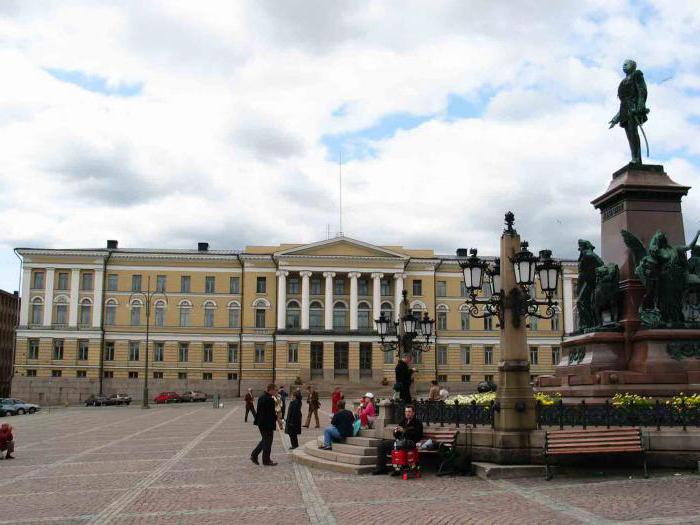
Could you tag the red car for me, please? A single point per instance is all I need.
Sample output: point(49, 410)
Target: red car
point(168, 397)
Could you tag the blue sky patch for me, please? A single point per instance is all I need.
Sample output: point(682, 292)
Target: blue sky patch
point(95, 83)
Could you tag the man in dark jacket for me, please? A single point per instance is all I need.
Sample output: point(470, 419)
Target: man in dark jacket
point(266, 421)
point(340, 428)
point(249, 406)
point(293, 426)
point(283, 396)
point(404, 374)
point(409, 428)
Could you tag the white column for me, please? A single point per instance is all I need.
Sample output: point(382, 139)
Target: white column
point(305, 299)
point(398, 294)
point(353, 299)
point(568, 306)
point(97, 298)
point(282, 299)
point(74, 293)
point(376, 296)
point(328, 307)
point(26, 292)
point(48, 296)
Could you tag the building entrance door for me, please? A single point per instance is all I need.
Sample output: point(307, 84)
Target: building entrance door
point(340, 359)
point(365, 359)
point(316, 359)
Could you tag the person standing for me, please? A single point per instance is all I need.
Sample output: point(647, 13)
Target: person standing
point(249, 406)
point(283, 395)
point(434, 394)
point(7, 441)
point(278, 410)
point(336, 396)
point(404, 376)
point(314, 405)
point(265, 420)
point(293, 427)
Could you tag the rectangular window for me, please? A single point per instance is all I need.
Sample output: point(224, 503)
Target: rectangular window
point(462, 289)
point(58, 349)
point(61, 314)
point(315, 286)
point(464, 319)
point(385, 286)
point(160, 315)
point(441, 288)
point(339, 286)
point(208, 353)
point(38, 280)
point(136, 283)
point(466, 354)
point(183, 352)
point(442, 378)
point(442, 355)
point(488, 377)
point(532, 322)
point(209, 317)
point(182, 375)
point(133, 375)
point(33, 349)
point(210, 284)
point(364, 319)
point(362, 287)
point(86, 281)
point(112, 282)
point(161, 282)
point(62, 281)
point(259, 352)
point(157, 375)
point(81, 374)
point(293, 285)
point(419, 358)
point(158, 351)
point(388, 358)
point(31, 373)
point(232, 376)
point(37, 313)
point(292, 352)
point(185, 316)
point(233, 352)
point(488, 355)
point(135, 315)
point(466, 378)
point(56, 373)
point(134, 350)
point(109, 351)
point(185, 284)
point(234, 285)
point(556, 355)
point(260, 318)
point(261, 285)
point(83, 349)
point(206, 376)
point(488, 323)
point(442, 321)
point(556, 322)
point(85, 314)
point(534, 355)
point(234, 318)
point(108, 374)
point(417, 287)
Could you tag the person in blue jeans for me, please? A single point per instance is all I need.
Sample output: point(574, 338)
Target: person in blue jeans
point(340, 427)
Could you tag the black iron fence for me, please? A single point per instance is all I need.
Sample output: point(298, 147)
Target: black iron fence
point(579, 415)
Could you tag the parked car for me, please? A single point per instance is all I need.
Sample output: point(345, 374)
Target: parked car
point(193, 395)
point(120, 399)
point(7, 409)
point(486, 386)
point(98, 401)
point(168, 397)
point(20, 406)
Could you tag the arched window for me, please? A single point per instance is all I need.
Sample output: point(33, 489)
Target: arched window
point(293, 315)
point(234, 314)
point(111, 311)
point(316, 315)
point(464, 317)
point(442, 310)
point(37, 311)
point(417, 309)
point(185, 312)
point(136, 306)
point(160, 312)
point(261, 305)
point(61, 313)
point(340, 316)
point(209, 311)
point(364, 316)
point(85, 311)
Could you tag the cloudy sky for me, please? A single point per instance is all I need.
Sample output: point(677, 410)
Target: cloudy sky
point(161, 124)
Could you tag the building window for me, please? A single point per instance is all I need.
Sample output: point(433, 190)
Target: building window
point(388, 358)
point(86, 282)
point(385, 287)
point(62, 281)
point(234, 316)
point(234, 285)
point(134, 349)
point(110, 312)
point(293, 352)
point(388, 313)
point(442, 355)
point(259, 352)
point(85, 312)
point(185, 284)
point(316, 315)
point(206, 376)
point(157, 375)
point(462, 289)
point(158, 351)
point(532, 322)
point(534, 355)
point(112, 282)
point(56, 373)
point(339, 286)
point(61, 313)
point(161, 282)
point(38, 280)
point(37, 311)
point(488, 323)
point(442, 289)
point(109, 351)
point(232, 376)
point(135, 314)
point(556, 355)
point(160, 313)
point(362, 287)
point(464, 319)
point(233, 352)
point(442, 321)
point(364, 316)
point(315, 286)
point(58, 349)
point(136, 283)
point(293, 315)
point(442, 378)
point(261, 285)
point(33, 349)
point(340, 314)
point(108, 374)
point(182, 375)
point(293, 285)
point(208, 353)
point(83, 349)
point(183, 352)
point(488, 377)
point(133, 375)
point(488, 355)
point(210, 284)
point(81, 374)
point(466, 378)
point(209, 310)
point(466, 355)
point(260, 318)
point(417, 287)
point(185, 309)
point(31, 373)
point(556, 322)
point(419, 358)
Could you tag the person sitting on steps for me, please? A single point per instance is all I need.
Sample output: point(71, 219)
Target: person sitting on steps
point(340, 427)
point(410, 427)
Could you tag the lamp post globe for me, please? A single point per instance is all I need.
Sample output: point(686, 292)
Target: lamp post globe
point(472, 268)
point(494, 273)
point(525, 265)
point(549, 271)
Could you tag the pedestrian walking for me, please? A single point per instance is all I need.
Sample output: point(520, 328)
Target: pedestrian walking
point(284, 395)
point(266, 421)
point(7, 441)
point(336, 396)
point(278, 410)
point(249, 404)
point(293, 427)
point(314, 404)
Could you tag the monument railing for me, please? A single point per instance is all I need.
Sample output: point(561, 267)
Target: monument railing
point(447, 413)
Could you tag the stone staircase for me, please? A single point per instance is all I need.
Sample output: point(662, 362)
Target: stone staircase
point(355, 455)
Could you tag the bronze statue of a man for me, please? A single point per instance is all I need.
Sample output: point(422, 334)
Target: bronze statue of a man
point(632, 93)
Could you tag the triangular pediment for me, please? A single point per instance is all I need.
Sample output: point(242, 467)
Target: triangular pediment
point(341, 247)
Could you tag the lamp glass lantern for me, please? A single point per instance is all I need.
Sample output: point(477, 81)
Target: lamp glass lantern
point(473, 270)
point(525, 266)
point(495, 277)
point(382, 325)
point(549, 271)
point(409, 323)
point(427, 325)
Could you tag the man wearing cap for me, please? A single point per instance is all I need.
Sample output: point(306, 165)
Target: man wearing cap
point(366, 412)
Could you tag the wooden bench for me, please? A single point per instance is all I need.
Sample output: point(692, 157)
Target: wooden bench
point(446, 441)
point(595, 441)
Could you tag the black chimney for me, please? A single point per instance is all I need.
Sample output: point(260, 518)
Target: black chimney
point(112, 244)
point(203, 246)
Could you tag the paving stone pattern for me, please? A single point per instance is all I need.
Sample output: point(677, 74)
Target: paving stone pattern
point(189, 464)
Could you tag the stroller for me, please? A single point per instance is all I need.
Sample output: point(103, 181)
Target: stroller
point(405, 457)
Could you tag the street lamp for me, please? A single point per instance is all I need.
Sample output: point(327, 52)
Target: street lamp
point(148, 296)
point(413, 333)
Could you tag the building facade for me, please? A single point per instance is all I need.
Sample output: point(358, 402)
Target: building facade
point(9, 313)
point(223, 321)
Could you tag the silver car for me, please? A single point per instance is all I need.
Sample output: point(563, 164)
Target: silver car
point(19, 406)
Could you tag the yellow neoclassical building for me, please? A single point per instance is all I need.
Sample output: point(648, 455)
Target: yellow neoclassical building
point(223, 321)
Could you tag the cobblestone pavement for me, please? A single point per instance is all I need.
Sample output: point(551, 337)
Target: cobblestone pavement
point(190, 464)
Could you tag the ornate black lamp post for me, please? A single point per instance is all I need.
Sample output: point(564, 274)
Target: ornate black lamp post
point(147, 297)
point(413, 333)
